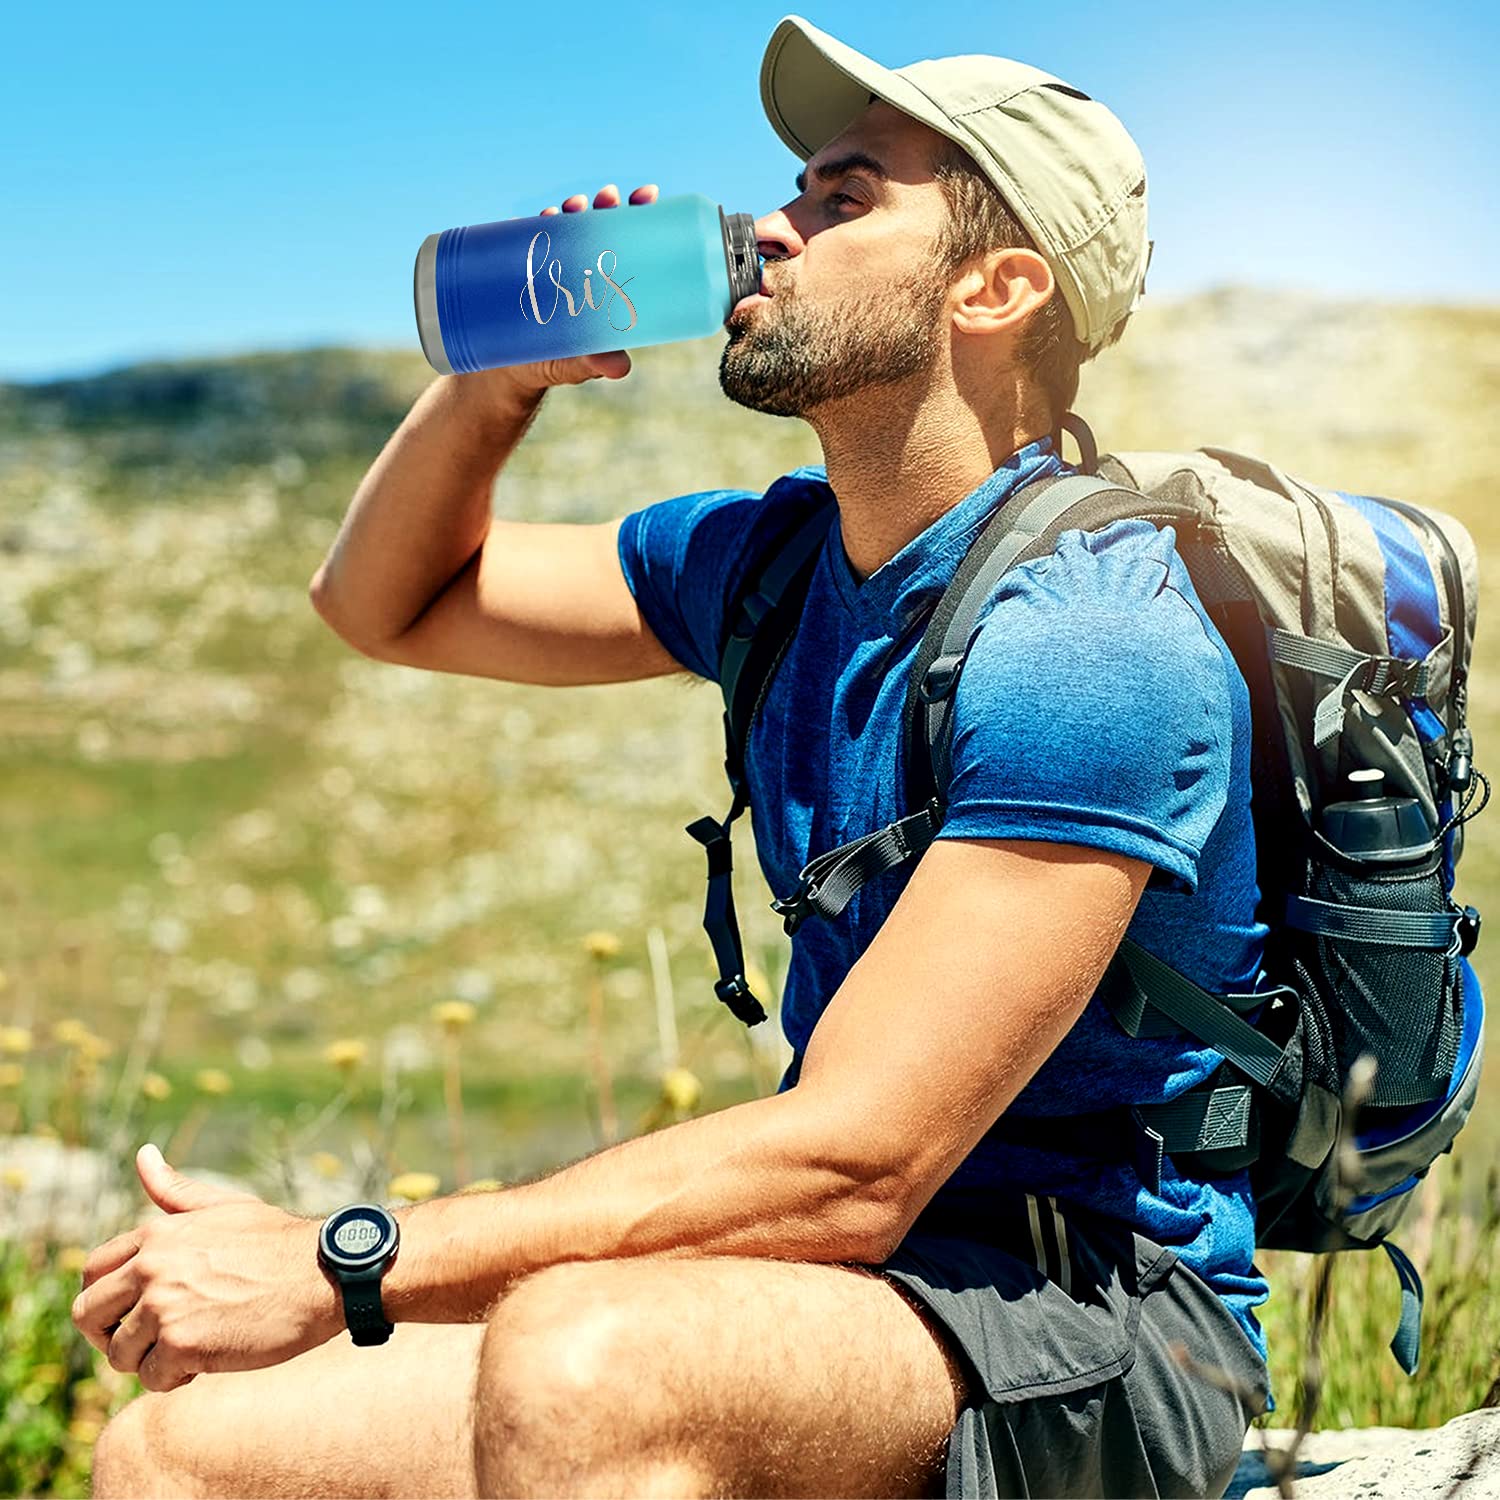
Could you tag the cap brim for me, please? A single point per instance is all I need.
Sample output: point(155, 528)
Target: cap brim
point(812, 86)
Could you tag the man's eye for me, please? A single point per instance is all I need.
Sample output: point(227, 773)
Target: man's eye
point(834, 198)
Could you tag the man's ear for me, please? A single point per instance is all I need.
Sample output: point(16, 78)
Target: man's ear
point(1005, 289)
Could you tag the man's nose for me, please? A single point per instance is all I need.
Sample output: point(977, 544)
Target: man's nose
point(776, 236)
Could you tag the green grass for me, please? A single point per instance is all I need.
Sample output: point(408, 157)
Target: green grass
point(222, 817)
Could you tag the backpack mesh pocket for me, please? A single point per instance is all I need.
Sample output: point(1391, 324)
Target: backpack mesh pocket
point(1401, 1004)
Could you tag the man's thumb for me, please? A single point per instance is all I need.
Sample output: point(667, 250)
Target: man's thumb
point(171, 1190)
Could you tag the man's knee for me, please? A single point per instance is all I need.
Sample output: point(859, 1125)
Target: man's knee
point(564, 1384)
point(140, 1452)
point(121, 1463)
point(553, 1342)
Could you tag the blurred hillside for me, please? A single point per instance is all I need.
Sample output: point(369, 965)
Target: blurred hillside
point(1321, 382)
point(232, 842)
point(163, 676)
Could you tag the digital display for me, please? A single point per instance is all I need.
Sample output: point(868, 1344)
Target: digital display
point(357, 1236)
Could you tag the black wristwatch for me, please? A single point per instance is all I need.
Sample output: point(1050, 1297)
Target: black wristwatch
point(356, 1246)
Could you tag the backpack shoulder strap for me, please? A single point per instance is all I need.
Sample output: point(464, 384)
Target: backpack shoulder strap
point(760, 622)
point(1146, 995)
point(1028, 523)
point(829, 881)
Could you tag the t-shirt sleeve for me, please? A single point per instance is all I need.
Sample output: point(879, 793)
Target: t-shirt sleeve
point(680, 558)
point(1094, 707)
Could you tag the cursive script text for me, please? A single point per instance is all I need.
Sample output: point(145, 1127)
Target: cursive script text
point(554, 273)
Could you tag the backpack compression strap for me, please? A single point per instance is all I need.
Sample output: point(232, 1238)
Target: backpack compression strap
point(1147, 996)
point(828, 882)
point(758, 630)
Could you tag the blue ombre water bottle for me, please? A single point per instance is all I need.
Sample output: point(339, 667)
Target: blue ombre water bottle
point(555, 285)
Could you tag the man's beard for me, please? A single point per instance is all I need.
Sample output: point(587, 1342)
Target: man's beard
point(787, 357)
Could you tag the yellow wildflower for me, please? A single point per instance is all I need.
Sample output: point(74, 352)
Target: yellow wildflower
point(95, 1048)
point(11, 1075)
point(680, 1088)
point(346, 1054)
point(70, 1032)
point(72, 1258)
point(213, 1081)
point(453, 1015)
point(155, 1086)
point(13, 1178)
point(414, 1186)
point(601, 945)
point(14, 1040)
point(325, 1163)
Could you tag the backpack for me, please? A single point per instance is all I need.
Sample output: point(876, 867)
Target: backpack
point(1351, 618)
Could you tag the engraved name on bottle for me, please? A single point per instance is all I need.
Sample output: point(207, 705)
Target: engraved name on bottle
point(575, 306)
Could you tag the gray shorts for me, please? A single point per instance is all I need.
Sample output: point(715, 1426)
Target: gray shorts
point(1064, 1322)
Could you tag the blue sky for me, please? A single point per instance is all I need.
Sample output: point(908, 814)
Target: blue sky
point(194, 179)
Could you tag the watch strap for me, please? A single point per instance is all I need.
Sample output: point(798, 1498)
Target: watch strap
point(363, 1311)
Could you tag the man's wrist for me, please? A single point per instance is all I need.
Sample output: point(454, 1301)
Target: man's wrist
point(402, 1289)
point(326, 1300)
point(328, 1313)
point(492, 404)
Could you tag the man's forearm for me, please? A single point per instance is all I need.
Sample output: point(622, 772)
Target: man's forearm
point(423, 508)
point(769, 1178)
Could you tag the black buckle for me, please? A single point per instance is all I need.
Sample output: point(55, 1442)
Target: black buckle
point(1393, 676)
point(735, 993)
point(939, 679)
point(797, 907)
point(753, 609)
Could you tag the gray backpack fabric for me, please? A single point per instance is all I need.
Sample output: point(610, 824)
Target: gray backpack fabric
point(1352, 620)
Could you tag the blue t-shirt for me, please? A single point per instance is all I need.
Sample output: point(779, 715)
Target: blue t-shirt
point(1099, 705)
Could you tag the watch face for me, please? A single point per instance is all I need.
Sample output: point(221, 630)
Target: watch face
point(357, 1237)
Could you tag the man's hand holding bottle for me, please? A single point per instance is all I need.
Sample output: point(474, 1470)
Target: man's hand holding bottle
point(503, 386)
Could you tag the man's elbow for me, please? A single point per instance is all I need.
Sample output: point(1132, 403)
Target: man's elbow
point(892, 1211)
point(861, 1189)
point(327, 611)
point(872, 1221)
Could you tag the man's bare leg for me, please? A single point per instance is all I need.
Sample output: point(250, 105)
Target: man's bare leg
point(660, 1376)
point(392, 1420)
point(712, 1376)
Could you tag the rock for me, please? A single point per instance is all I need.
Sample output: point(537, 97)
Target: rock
point(1458, 1461)
point(74, 1195)
point(66, 1194)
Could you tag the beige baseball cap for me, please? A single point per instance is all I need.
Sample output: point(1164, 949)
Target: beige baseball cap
point(1062, 161)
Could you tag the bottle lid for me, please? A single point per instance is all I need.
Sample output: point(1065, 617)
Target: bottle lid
point(742, 253)
point(1370, 826)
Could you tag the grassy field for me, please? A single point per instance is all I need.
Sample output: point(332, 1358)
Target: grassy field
point(246, 867)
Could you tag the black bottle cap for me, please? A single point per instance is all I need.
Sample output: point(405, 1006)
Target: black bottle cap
point(1372, 827)
point(742, 254)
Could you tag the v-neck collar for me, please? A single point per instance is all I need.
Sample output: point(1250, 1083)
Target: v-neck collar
point(928, 561)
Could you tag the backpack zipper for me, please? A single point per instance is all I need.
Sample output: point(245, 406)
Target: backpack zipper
point(1458, 690)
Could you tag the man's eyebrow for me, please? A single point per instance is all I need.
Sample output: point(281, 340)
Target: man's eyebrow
point(851, 161)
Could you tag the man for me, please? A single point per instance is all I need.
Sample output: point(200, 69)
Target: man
point(867, 1283)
